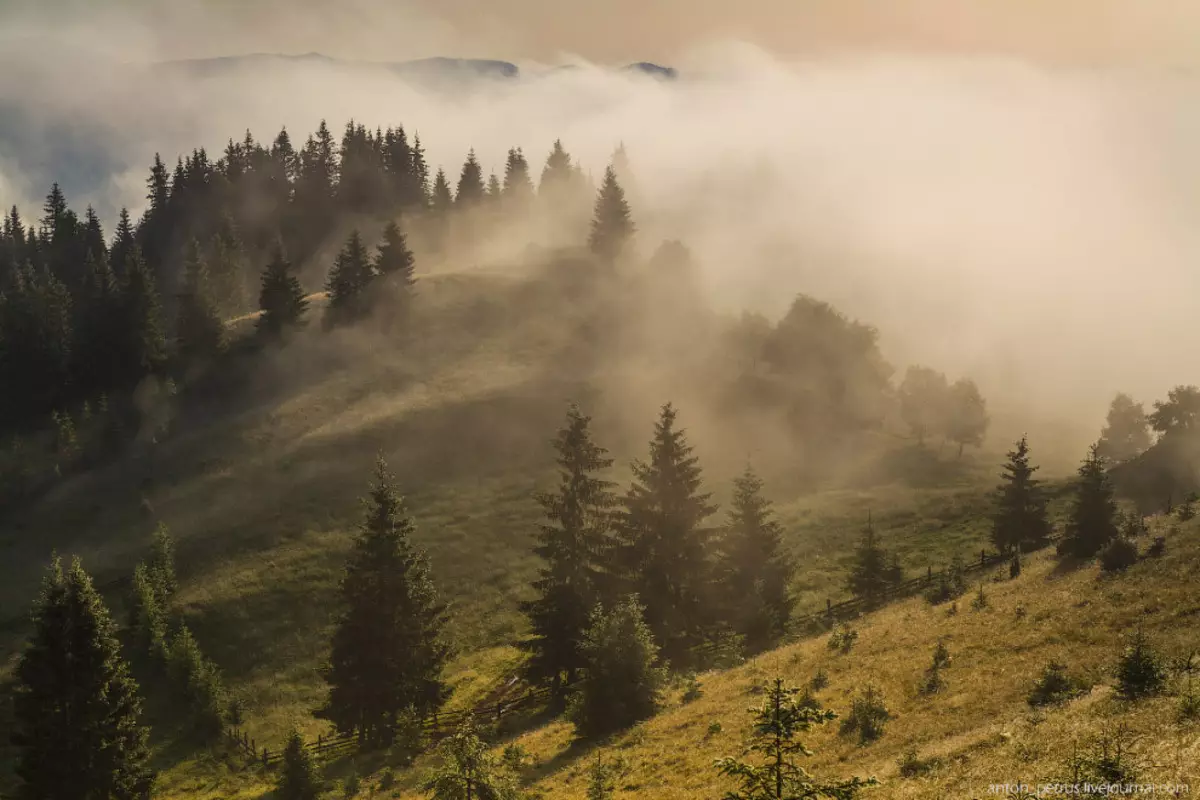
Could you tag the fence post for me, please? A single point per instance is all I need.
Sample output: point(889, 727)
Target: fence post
point(499, 709)
point(929, 572)
point(983, 558)
point(265, 758)
point(828, 607)
point(253, 746)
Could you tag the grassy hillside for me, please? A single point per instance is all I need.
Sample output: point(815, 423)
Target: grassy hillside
point(259, 485)
point(979, 730)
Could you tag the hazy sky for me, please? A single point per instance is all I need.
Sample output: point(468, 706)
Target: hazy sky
point(1077, 31)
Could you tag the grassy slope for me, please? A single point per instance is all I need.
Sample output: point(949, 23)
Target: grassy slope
point(262, 498)
point(980, 726)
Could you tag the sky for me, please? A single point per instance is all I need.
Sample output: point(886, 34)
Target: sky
point(975, 178)
point(1060, 31)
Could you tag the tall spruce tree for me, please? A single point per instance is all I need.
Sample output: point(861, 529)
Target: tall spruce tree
point(573, 546)
point(518, 186)
point(77, 712)
point(280, 299)
point(123, 244)
point(199, 331)
point(612, 224)
point(1019, 522)
point(662, 543)
point(143, 343)
point(874, 572)
point(348, 281)
point(442, 200)
point(1093, 520)
point(394, 261)
point(388, 653)
point(471, 191)
point(784, 715)
point(754, 571)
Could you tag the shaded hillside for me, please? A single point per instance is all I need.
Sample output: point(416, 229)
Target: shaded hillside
point(1163, 475)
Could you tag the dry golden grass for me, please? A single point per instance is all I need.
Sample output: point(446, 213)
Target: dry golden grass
point(979, 727)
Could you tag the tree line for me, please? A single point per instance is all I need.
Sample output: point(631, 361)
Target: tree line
point(82, 314)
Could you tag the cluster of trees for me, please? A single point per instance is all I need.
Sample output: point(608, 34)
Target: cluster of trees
point(82, 314)
point(932, 407)
point(653, 549)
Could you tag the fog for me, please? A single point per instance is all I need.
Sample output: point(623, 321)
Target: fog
point(1026, 223)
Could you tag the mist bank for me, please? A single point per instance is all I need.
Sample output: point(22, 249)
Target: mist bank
point(1028, 226)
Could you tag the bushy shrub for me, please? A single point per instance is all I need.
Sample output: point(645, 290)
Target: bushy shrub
point(913, 766)
point(951, 584)
point(980, 601)
point(820, 680)
point(1158, 547)
point(622, 683)
point(692, 689)
point(842, 638)
point(1054, 686)
point(1118, 555)
point(867, 716)
point(1109, 758)
point(1141, 672)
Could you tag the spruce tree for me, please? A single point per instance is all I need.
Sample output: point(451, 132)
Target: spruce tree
point(612, 225)
point(1093, 520)
point(348, 281)
point(298, 778)
point(622, 683)
point(470, 191)
point(393, 260)
point(76, 708)
point(387, 653)
point(874, 572)
point(1019, 522)
point(442, 200)
point(754, 571)
point(123, 244)
point(662, 545)
point(142, 341)
point(469, 772)
point(199, 331)
point(573, 546)
point(781, 718)
point(280, 299)
point(518, 186)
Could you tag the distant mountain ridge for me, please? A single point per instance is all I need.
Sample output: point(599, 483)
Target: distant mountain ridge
point(432, 68)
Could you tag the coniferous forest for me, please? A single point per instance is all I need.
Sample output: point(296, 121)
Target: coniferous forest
point(651, 588)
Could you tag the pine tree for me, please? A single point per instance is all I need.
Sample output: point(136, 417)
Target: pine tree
point(1126, 433)
point(753, 569)
point(518, 186)
point(612, 225)
point(161, 568)
point(874, 572)
point(147, 617)
point(470, 192)
point(123, 244)
point(348, 282)
point(1019, 522)
point(661, 542)
point(388, 652)
point(199, 331)
point(1093, 520)
point(93, 236)
point(76, 707)
point(777, 723)
point(621, 683)
point(600, 780)
point(469, 773)
point(573, 547)
point(281, 299)
point(142, 341)
point(298, 779)
point(442, 201)
point(393, 260)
